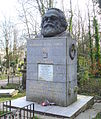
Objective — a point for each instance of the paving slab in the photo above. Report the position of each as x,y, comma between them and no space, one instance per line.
20,102
71,111
82,103
8,92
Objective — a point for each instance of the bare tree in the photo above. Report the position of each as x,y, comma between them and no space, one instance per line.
43,5
6,27
31,12
71,18
24,15
28,14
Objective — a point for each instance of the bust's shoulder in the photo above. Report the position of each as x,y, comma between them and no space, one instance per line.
63,34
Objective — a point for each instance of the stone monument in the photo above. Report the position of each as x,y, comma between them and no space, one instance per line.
52,62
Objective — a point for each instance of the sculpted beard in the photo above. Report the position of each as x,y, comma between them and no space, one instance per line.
51,29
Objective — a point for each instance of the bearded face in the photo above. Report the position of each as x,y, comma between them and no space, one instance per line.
51,24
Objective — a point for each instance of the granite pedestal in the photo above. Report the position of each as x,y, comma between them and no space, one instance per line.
51,70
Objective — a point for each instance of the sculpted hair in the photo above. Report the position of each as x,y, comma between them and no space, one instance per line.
62,17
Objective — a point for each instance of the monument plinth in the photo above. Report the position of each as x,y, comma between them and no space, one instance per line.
52,70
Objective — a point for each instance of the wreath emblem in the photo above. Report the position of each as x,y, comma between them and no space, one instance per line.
72,51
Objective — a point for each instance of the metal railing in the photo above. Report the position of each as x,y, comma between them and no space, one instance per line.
7,111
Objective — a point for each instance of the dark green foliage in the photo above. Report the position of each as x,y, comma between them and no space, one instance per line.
98,116
3,113
36,117
12,86
90,43
82,69
71,18
97,40
70,23
13,61
90,86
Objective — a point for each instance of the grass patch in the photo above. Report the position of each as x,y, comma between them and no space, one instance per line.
3,77
36,117
21,93
91,86
2,99
12,86
98,116
3,113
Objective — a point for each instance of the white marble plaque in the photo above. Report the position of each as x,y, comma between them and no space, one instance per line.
45,72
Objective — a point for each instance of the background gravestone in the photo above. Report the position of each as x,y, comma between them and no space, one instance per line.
52,63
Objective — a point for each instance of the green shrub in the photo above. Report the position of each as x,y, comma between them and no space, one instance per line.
3,76
91,86
98,116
